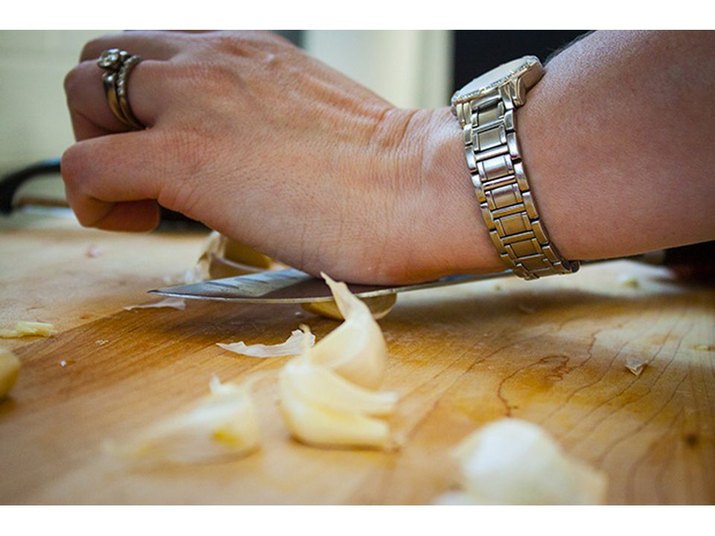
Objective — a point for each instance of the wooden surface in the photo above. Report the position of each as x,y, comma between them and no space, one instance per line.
552,352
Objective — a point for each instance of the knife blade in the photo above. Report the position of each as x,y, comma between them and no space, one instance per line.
294,286
696,261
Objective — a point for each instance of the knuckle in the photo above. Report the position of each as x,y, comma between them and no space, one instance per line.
93,47
72,80
72,165
68,163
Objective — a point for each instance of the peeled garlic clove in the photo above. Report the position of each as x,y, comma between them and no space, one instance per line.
325,394
356,349
294,345
29,329
323,426
318,385
222,257
380,307
512,461
9,369
241,254
222,425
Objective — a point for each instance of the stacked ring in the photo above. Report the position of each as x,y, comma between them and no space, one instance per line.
118,65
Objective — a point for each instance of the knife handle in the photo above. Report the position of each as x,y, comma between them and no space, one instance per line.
694,262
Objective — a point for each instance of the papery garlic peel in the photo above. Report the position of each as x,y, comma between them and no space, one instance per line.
356,349
221,425
294,345
166,303
9,370
511,461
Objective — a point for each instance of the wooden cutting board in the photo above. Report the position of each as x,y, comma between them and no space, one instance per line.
552,352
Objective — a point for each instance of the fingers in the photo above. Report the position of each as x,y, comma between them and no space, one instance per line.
86,97
87,100
133,216
112,182
149,45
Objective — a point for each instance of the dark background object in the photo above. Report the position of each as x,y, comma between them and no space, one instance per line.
478,51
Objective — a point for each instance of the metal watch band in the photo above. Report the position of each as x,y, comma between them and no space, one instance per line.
499,180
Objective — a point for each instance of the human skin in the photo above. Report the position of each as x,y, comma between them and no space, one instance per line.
265,144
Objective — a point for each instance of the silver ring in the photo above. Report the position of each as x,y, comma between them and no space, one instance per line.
118,65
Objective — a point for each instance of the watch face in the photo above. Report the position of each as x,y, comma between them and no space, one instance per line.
495,78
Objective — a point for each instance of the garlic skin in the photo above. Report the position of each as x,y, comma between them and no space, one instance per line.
166,303
294,345
511,461
222,425
635,365
9,370
356,349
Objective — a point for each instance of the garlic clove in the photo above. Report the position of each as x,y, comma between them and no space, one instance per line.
9,370
221,425
223,257
323,426
318,385
295,344
356,349
512,461
380,307
241,254
25,328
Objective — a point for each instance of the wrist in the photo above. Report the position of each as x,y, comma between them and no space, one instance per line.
439,228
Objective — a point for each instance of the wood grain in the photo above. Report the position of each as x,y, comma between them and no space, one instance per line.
552,352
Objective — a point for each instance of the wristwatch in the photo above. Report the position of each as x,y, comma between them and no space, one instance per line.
486,109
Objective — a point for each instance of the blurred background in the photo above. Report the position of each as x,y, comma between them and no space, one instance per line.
410,68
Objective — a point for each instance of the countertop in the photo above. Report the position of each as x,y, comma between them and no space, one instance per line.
552,352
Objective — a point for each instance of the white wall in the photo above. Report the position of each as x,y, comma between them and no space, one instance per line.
410,68
34,123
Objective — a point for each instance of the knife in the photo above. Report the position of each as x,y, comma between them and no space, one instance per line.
293,286
695,262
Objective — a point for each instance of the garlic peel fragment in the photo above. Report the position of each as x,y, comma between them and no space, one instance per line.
635,366
9,370
25,328
168,303
294,345
221,425
511,461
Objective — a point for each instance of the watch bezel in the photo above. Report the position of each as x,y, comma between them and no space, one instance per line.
526,68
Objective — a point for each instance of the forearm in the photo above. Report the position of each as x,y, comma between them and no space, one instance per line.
617,144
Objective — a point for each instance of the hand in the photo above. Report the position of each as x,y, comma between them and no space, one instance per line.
259,141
